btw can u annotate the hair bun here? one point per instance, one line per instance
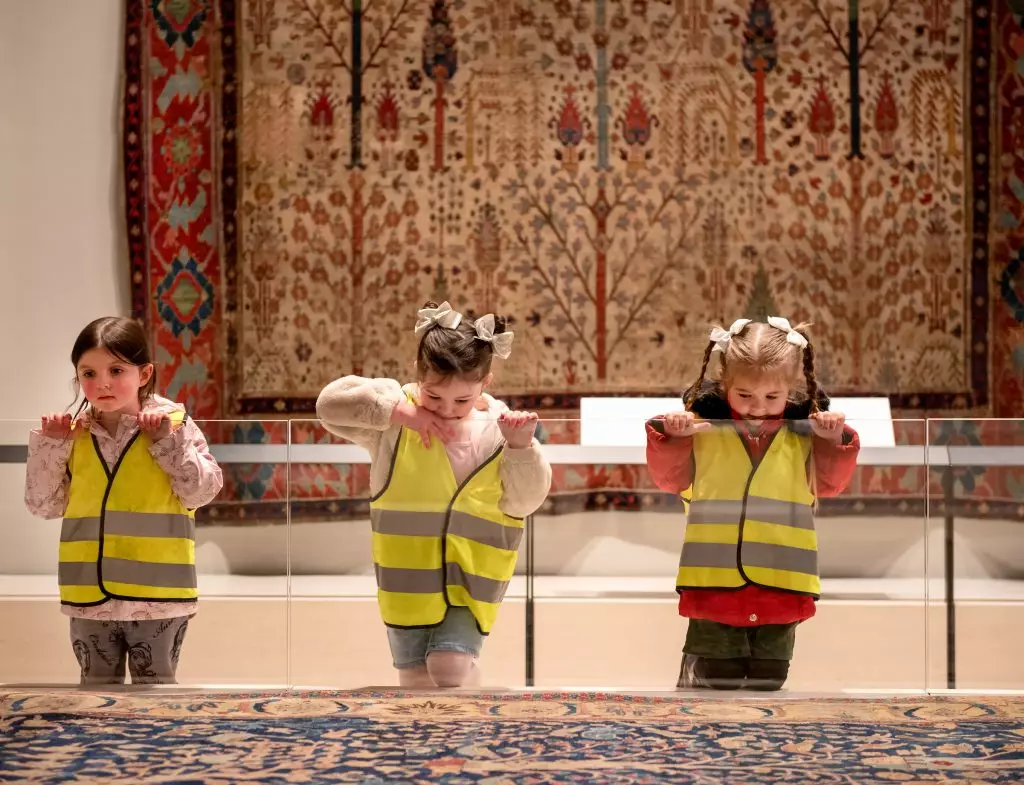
(431, 304)
(500, 324)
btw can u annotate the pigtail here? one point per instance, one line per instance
(691, 394)
(809, 376)
(812, 392)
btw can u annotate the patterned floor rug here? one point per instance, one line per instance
(394, 737)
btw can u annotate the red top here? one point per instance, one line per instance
(670, 461)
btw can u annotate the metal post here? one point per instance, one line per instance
(948, 488)
(529, 602)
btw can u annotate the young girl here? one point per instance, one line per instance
(126, 473)
(453, 474)
(748, 573)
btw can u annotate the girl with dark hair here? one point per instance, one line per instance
(126, 472)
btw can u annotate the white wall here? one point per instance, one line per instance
(62, 248)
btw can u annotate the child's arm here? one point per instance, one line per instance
(359, 409)
(46, 476)
(525, 480)
(525, 472)
(184, 455)
(835, 462)
(669, 458)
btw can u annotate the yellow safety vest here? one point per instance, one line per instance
(437, 544)
(750, 524)
(125, 535)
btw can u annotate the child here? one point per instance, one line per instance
(748, 573)
(127, 473)
(453, 474)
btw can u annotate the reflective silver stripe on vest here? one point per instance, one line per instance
(170, 576)
(80, 529)
(753, 554)
(485, 532)
(77, 573)
(409, 581)
(782, 513)
(429, 582)
(148, 524)
(409, 524)
(479, 588)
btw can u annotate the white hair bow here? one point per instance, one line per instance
(792, 335)
(443, 315)
(501, 343)
(722, 337)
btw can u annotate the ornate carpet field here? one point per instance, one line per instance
(395, 737)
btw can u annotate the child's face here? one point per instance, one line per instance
(109, 383)
(758, 396)
(452, 398)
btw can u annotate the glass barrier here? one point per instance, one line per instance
(238, 631)
(288, 586)
(607, 560)
(976, 554)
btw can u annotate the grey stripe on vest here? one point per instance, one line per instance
(410, 524)
(170, 576)
(80, 529)
(84, 573)
(479, 588)
(754, 554)
(800, 516)
(483, 531)
(728, 511)
(409, 581)
(76, 573)
(148, 524)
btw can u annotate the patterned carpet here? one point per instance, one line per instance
(373, 737)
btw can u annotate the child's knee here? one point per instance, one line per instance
(450, 668)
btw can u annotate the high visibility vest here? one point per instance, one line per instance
(746, 523)
(125, 534)
(437, 544)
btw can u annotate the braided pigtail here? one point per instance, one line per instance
(691, 394)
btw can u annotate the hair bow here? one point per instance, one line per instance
(792, 335)
(501, 343)
(722, 337)
(443, 315)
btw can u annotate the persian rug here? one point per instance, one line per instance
(613, 176)
(376, 737)
(302, 174)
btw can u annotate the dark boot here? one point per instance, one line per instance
(767, 675)
(703, 672)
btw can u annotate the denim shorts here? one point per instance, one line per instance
(458, 632)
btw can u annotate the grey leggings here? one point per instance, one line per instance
(149, 648)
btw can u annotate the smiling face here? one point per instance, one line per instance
(110, 384)
(451, 397)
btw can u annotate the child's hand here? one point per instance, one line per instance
(828, 425)
(57, 426)
(156, 425)
(684, 424)
(424, 422)
(518, 428)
